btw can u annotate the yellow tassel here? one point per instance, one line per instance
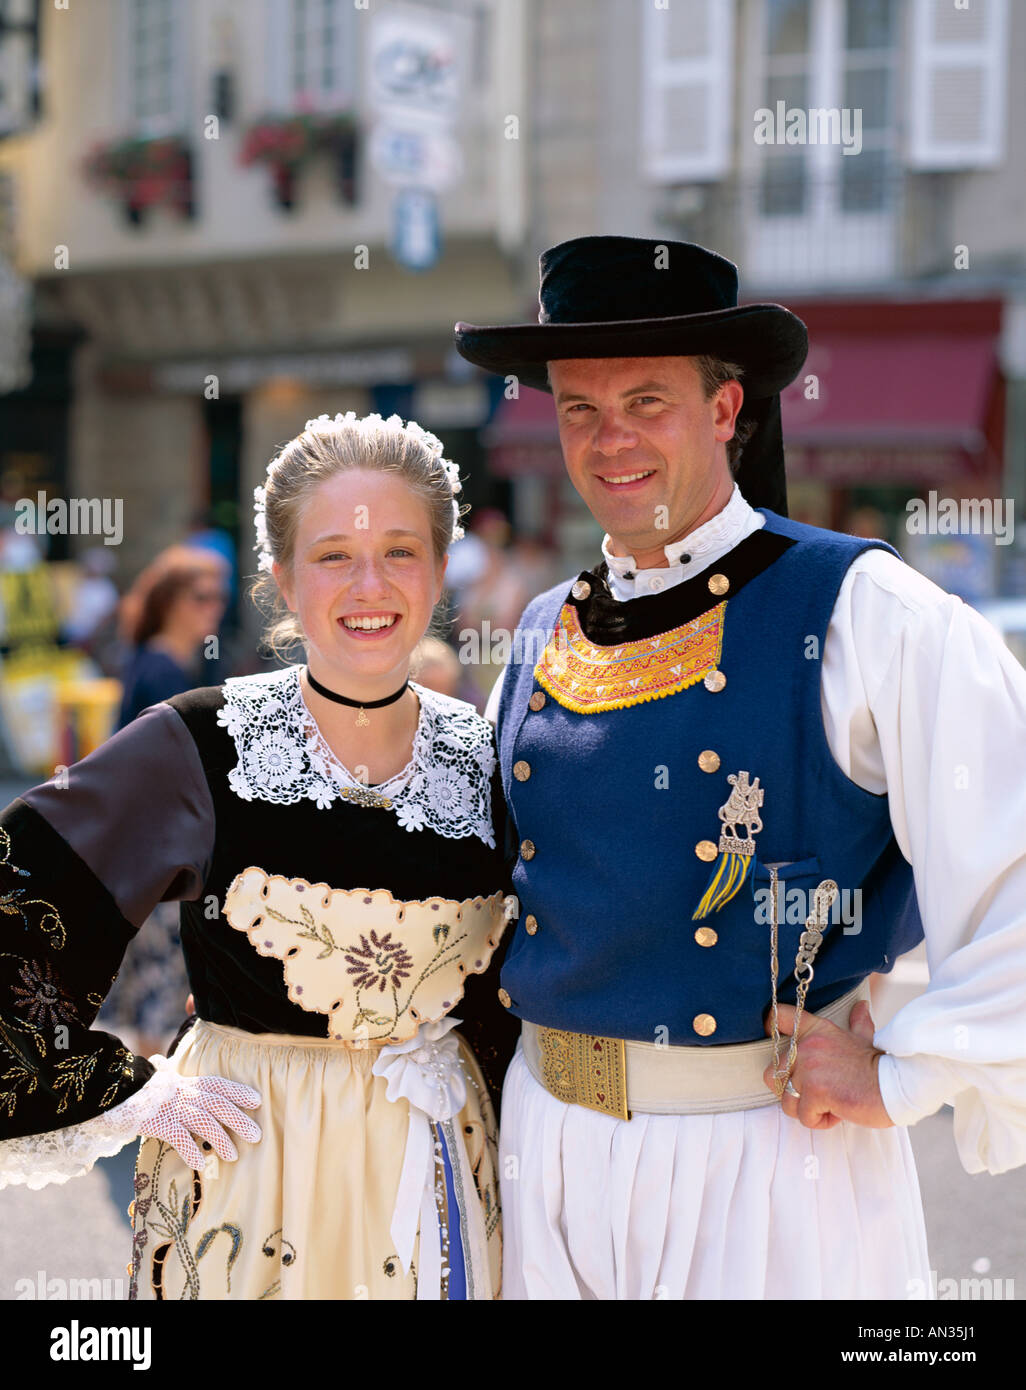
(728, 876)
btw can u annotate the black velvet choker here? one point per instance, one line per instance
(354, 704)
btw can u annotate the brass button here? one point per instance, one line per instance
(580, 588)
(537, 700)
(527, 849)
(706, 936)
(703, 1024)
(708, 761)
(506, 1001)
(718, 583)
(715, 680)
(706, 851)
(521, 770)
(531, 923)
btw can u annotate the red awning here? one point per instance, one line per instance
(523, 437)
(905, 406)
(900, 404)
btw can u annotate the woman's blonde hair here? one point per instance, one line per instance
(328, 447)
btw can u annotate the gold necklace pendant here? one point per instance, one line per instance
(361, 719)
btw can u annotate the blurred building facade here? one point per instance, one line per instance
(907, 259)
(190, 312)
(201, 309)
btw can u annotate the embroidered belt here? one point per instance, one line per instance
(620, 1077)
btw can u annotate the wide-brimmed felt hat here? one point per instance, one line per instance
(618, 296)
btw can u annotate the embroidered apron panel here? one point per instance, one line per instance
(377, 966)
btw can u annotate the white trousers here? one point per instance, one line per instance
(747, 1204)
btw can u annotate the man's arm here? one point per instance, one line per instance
(922, 699)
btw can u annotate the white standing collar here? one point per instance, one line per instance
(700, 548)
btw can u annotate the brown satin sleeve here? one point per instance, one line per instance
(138, 812)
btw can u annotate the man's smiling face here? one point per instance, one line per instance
(643, 447)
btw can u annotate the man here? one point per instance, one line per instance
(729, 727)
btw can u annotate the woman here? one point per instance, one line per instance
(173, 608)
(329, 832)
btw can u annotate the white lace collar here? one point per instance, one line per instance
(283, 757)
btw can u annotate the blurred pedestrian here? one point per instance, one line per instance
(437, 666)
(174, 606)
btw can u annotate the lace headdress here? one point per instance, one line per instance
(324, 424)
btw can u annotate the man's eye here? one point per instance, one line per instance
(400, 550)
(648, 400)
(335, 555)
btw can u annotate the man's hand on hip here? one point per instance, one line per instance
(835, 1072)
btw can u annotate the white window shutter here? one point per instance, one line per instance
(687, 82)
(959, 64)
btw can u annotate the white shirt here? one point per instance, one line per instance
(922, 700)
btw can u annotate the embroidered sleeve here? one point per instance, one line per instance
(81, 867)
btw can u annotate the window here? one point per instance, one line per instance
(869, 56)
(831, 54)
(155, 66)
(18, 82)
(788, 56)
(321, 54)
(823, 207)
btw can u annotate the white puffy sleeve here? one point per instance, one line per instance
(922, 699)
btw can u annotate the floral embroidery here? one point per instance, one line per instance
(384, 962)
(591, 679)
(43, 996)
(283, 758)
(383, 965)
(177, 1212)
(13, 902)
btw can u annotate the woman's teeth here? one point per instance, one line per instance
(369, 624)
(628, 477)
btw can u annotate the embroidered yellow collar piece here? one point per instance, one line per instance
(590, 679)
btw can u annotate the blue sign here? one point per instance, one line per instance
(416, 237)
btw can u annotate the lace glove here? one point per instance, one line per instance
(204, 1106)
(167, 1107)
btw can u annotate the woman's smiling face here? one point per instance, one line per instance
(364, 578)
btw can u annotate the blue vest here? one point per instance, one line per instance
(613, 805)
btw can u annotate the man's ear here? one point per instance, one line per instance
(281, 578)
(729, 400)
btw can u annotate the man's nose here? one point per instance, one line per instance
(613, 434)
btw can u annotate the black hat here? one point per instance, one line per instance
(615, 296)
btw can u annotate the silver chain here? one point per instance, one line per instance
(808, 945)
